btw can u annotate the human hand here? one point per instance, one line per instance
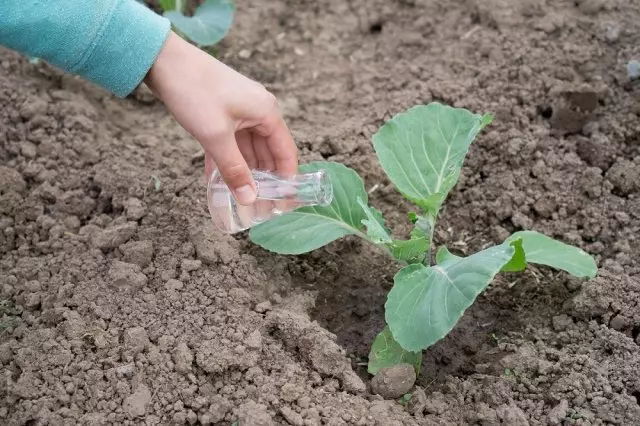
(235, 119)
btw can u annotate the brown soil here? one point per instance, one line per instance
(121, 305)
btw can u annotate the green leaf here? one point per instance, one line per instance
(374, 222)
(422, 150)
(412, 250)
(386, 352)
(518, 262)
(208, 25)
(426, 302)
(309, 228)
(168, 5)
(543, 250)
(444, 255)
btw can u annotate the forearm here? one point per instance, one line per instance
(112, 43)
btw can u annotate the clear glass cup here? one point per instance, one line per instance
(275, 195)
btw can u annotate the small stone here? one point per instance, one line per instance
(11, 181)
(291, 416)
(219, 408)
(189, 265)
(32, 300)
(135, 405)
(135, 209)
(138, 252)
(561, 322)
(182, 358)
(126, 370)
(512, 415)
(165, 342)
(254, 414)
(28, 150)
(613, 33)
(352, 382)
(173, 284)
(418, 402)
(127, 275)
(254, 340)
(245, 54)
(619, 322)
(263, 307)
(393, 382)
(558, 413)
(136, 339)
(113, 237)
(625, 176)
(290, 392)
(180, 418)
(192, 417)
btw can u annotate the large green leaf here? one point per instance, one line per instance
(543, 250)
(386, 352)
(426, 302)
(422, 150)
(309, 228)
(208, 25)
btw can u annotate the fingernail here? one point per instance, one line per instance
(245, 194)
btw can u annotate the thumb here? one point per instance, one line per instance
(234, 169)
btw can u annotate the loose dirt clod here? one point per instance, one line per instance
(135, 405)
(62, 341)
(393, 382)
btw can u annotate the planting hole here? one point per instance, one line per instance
(376, 27)
(546, 112)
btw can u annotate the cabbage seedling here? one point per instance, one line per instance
(209, 24)
(422, 151)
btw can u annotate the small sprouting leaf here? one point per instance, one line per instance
(426, 302)
(422, 150)
(444, 255)
(208, 25)
(543, 250)
(309, 228)
(518, 262)
(405, 399)
(167, 5)
(386, 352)
(374, 222)
(414, 249)
(156, 183)
(411, 251)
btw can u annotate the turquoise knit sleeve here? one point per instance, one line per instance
(112, 43)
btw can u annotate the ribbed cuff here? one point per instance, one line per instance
(126, 48)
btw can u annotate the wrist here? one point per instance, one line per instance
(172, 53)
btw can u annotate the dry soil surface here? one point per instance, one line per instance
(120, 303)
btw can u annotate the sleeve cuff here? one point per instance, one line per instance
(126, 48)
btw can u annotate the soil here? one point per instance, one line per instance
(121, 304)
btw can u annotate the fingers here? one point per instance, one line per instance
(245, 144)
(277, 138)
(280, 143)
(233, 167)
(265, 157)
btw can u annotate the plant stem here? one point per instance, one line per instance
(432, 227)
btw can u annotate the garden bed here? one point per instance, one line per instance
(122, 305)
